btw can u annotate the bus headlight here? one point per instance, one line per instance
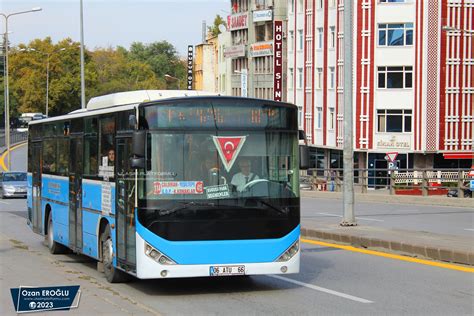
(157, 256)
(290, 252)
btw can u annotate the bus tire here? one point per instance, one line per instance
(54, 247)
(112, 274)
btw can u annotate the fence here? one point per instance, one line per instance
(454, 182)
(15, 137)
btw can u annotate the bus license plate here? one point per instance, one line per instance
(227, 270)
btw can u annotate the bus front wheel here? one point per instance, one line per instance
(112, 274)
(54, 247)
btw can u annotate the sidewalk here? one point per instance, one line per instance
(449, 248)
(382, 197)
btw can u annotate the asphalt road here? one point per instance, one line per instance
(332, 281)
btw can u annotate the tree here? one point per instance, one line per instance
(162, 57)
(214, 29)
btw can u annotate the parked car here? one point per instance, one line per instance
(13, 184)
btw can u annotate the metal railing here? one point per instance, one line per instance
(15, 137)
(425, 182)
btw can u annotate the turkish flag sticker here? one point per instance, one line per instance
(228, 148)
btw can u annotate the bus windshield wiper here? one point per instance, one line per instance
(284, 210)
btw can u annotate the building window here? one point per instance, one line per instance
(395, 77)
(320, 117)
(320, 37)
(396, 34)
(300, 5)
(332, 3)
(319, 78)
(260, 33)
(291, 78)
(300, 78)
(320, 4)
(331, 118)
(332, 37)
(292, 6)
(300, 39)
(332, 77)
(394, 121)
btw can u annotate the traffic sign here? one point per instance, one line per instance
(391, 156)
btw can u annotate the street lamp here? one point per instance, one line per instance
(48, 55)
(168, 77)
(7, 99)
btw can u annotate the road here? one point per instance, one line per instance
(331, 281)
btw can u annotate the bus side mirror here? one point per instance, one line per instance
(137, 163)
(138, 143)
(304, 157)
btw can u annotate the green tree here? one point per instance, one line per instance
(163, 59)
(214, 28)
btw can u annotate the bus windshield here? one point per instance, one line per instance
(225, 165)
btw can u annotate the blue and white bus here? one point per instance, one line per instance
(170, 184)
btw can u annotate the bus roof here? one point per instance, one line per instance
(136, 97)
(125, 101)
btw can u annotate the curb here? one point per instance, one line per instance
(420, 248)
(394, 199)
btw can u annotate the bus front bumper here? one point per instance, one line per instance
(148, 268)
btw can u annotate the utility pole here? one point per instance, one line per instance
(83, 84)
(348, 155)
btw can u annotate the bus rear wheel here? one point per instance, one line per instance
(112, 274)
(54, 247)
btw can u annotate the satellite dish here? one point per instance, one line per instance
(222, 28)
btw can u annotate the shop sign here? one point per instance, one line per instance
(238, 21)
(234, 51)
(261, 49)
(262, 15)
(397, 142)
(278, 60)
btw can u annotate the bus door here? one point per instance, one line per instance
(37, 154)
(75, 194)
(125, 206)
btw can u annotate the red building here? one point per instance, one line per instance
(414, 80)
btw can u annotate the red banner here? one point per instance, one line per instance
(278, 60)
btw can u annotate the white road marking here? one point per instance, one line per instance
(322, 289)
(361, 218)
(469, 229)
(3, 202)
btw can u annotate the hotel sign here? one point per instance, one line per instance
(234, 51)
(393, 141)
(238, 21)
(190, 67)
(261, 49)
(278, 60)
(262, 15)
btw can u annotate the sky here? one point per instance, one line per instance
(111, 23)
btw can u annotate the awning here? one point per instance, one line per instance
(459, 155)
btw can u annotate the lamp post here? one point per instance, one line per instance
(83, 83)
(7, 98)
(169, 77)
(48, 55)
